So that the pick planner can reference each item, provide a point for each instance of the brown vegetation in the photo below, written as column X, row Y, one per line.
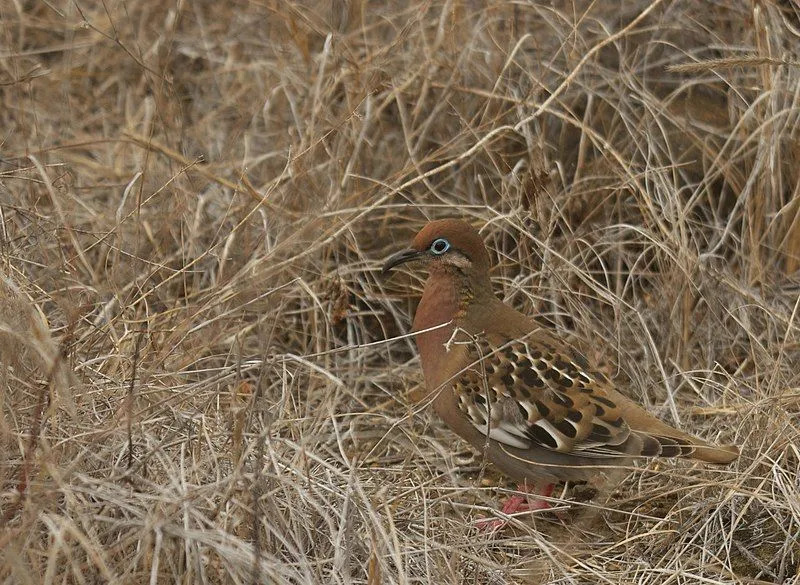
column 198, row 197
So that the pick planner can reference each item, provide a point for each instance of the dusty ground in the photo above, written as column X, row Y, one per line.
column 196, row 198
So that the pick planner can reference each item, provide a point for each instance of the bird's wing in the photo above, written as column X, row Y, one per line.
column 532, row 393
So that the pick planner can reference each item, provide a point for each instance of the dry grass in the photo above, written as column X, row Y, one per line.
column 198, row 196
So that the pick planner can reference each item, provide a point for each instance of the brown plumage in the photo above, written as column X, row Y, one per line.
column 537, row 408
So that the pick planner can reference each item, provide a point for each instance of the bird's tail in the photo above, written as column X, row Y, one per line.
column 679, row 444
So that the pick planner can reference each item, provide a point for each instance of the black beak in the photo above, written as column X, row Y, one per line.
column 400, row 257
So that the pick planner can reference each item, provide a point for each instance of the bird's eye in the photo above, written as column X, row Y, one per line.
column 440, row 246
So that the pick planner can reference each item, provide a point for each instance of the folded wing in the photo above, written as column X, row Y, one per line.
column 532, row 394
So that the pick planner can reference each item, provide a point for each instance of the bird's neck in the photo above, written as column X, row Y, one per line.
column 444, row 305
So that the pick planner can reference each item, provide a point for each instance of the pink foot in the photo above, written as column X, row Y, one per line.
column 517, row 503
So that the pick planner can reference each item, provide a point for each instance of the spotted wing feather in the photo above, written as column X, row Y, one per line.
column 526, row 394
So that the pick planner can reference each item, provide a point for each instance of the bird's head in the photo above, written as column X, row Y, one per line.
column 446, row 244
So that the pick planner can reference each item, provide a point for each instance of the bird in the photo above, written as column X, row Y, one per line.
column 533, row 404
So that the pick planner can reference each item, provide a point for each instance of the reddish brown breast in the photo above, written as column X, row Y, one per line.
column 440, row 305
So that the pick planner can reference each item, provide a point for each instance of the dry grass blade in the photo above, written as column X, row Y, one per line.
column 204, row 378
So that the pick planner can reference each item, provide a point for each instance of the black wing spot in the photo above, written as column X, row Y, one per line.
column 599, row 411
column 575, row 415
column 564, row 366
column 522, row 411
column 508, row 380
column 531, row 378
column 542, row 437
column 523, row 364
column 580, row 360
column 563, row 399
column 566, row 429
column 479, row 398
column 604, row 400
column 536, row 354
column 601, row 431
column 542, row 408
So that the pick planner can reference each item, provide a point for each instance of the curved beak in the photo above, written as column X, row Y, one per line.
column 400, row 257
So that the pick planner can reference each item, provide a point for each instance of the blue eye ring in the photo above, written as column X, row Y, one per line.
column 439, row 246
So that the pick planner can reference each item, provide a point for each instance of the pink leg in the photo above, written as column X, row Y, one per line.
column 517, row 503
